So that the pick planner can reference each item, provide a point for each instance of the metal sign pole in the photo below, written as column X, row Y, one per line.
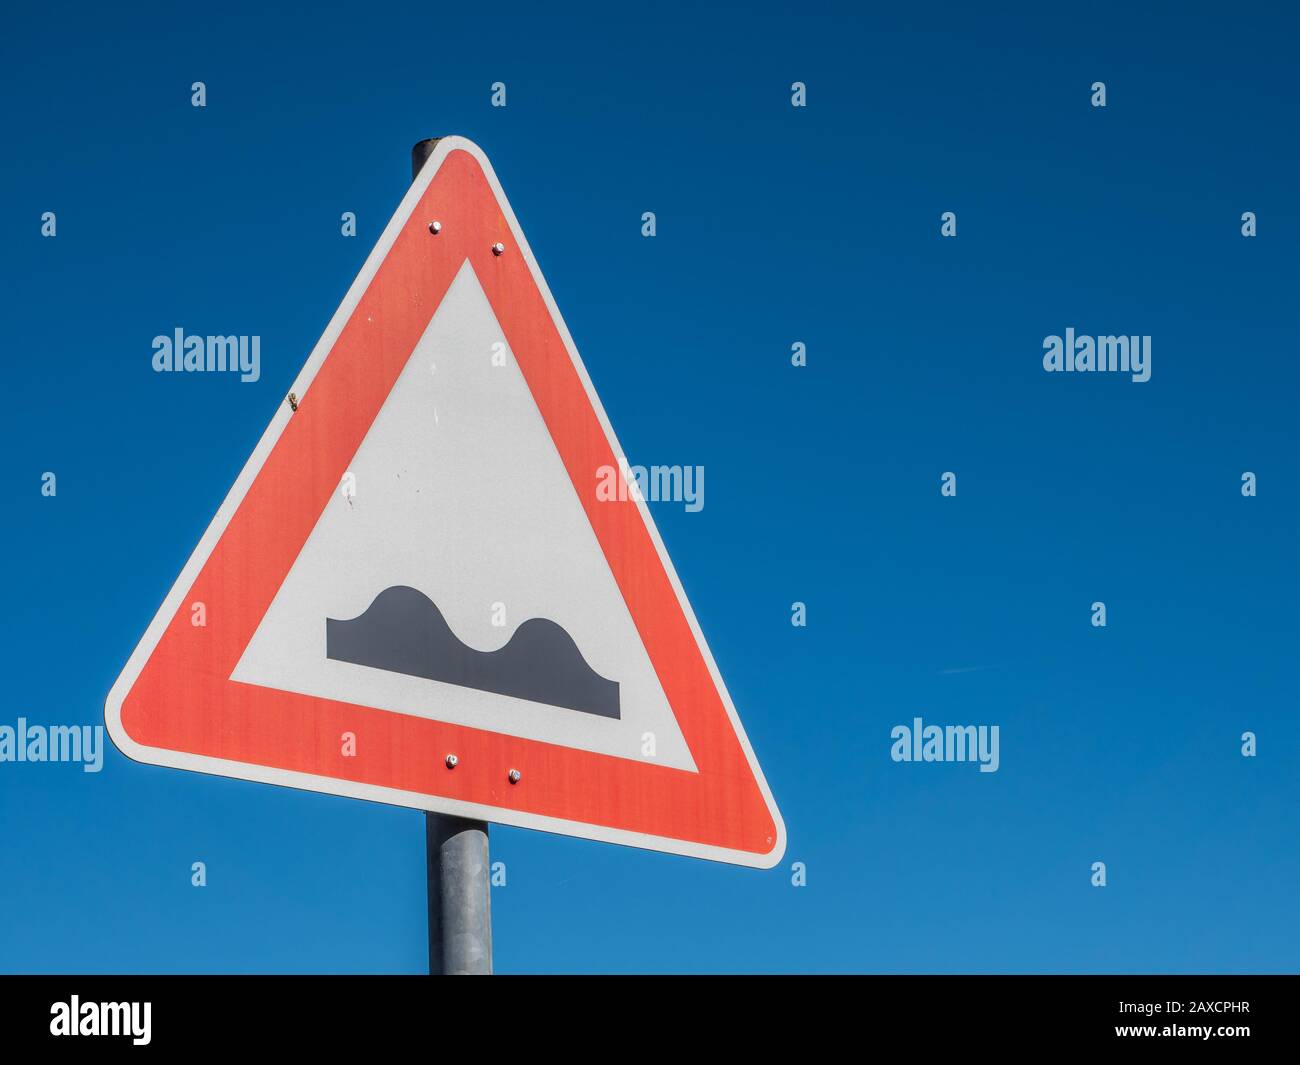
column 456, row 855
column 460, row 917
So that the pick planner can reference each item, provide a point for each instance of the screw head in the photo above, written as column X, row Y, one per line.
column 498, row 248
column 435, row 228
column 515, row 776
column 452, row 761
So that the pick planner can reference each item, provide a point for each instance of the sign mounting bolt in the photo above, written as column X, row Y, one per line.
column 514, row 776
column 452, row 761
column 435, row 228
column 498, row 248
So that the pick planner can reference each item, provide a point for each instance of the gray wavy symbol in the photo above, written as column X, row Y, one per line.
column 403, row 631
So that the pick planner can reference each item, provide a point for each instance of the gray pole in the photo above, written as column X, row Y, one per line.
column 456, row 854
column 460, row 917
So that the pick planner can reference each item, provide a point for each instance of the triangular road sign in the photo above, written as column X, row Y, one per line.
column 417, row 591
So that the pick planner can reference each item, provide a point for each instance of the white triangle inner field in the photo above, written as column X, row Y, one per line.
column 457, row 492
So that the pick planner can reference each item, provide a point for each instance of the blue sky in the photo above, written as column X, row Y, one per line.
column 775, row 224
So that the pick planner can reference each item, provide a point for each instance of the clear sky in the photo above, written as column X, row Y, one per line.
column 776, row 225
